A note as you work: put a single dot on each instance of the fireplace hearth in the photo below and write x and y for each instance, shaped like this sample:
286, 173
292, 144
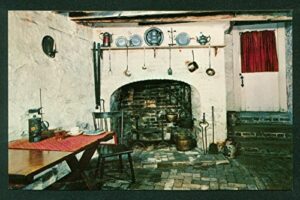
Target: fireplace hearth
154, 109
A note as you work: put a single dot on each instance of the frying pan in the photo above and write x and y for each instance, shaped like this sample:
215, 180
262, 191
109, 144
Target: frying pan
192, 66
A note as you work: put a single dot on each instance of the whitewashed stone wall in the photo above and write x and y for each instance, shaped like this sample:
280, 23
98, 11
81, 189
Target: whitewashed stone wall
229, 72
206, 91
66, 80
289, 67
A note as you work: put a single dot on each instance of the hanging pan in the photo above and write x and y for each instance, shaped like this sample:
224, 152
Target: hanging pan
210, 71
192, 66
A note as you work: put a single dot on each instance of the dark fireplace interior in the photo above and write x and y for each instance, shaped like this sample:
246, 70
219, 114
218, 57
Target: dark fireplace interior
154, 110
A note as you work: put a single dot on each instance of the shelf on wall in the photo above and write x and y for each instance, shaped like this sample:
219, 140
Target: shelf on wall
163, 47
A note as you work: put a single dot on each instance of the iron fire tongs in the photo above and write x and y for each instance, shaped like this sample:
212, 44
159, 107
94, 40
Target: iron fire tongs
204, 124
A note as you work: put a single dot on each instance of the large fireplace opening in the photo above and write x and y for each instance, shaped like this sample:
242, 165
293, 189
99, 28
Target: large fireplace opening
154, 110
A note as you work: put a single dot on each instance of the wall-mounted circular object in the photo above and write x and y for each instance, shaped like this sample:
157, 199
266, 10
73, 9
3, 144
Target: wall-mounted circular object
49, 46
183, 39
135, 40
121, 41
154, 37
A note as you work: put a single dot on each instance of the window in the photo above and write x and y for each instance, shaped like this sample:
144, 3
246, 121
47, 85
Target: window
258, 52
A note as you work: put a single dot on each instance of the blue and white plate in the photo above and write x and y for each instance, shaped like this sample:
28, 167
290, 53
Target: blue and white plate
183, 39
135, 41
153, 36
121, 41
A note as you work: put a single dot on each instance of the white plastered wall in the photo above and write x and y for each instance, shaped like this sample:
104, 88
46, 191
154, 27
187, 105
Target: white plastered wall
207, 90
66, 80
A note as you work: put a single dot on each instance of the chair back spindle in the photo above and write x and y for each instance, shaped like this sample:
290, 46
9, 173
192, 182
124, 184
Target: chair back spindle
109, 121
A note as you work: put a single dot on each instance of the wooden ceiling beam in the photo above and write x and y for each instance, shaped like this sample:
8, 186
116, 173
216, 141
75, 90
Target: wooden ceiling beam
132, 14
226, 17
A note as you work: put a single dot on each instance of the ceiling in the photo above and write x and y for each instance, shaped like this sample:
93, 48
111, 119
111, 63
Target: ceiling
138, 18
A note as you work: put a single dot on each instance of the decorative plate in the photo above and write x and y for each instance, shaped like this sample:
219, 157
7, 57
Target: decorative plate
183, 39
135, 40
154, 36
121, 41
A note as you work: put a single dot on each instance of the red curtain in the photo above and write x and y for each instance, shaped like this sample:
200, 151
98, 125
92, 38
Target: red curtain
258, 52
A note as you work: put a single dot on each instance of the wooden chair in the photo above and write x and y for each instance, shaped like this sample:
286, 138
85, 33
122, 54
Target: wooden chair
113, 122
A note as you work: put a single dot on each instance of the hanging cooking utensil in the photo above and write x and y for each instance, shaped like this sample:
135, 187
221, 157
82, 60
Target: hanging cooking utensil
172, 36
210, 71
192, 66
109, 57
95, 72
202, 135
144, 66
213, 148
127, 72
204, 124
170, 71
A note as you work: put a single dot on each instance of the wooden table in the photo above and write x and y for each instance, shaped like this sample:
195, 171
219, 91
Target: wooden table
24, 164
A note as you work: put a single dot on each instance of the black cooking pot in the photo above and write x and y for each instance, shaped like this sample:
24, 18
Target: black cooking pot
192, 66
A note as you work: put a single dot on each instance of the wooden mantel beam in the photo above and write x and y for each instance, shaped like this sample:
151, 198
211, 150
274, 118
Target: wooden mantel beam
179, 19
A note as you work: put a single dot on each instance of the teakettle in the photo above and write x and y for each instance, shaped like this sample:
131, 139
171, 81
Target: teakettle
107, 39
202, 39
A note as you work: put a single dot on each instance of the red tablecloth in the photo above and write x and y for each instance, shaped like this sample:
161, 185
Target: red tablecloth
69, 144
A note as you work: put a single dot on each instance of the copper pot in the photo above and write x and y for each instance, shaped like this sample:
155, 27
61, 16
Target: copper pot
184, 143
172, 117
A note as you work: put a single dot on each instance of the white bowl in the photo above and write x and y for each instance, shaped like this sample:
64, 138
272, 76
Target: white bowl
74, 131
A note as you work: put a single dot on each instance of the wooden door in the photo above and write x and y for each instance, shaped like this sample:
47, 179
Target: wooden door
262, 91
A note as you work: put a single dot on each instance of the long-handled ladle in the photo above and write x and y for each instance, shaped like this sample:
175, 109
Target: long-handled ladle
210, 71
127, 72
109, 57
170, 72
144, 66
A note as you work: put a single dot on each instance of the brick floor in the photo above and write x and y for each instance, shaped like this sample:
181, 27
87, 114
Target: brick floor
169, 169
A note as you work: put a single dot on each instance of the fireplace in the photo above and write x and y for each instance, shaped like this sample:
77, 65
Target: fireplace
122, 92
153, 109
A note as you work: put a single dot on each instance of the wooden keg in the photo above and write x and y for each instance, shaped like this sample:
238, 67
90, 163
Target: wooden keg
184, 143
